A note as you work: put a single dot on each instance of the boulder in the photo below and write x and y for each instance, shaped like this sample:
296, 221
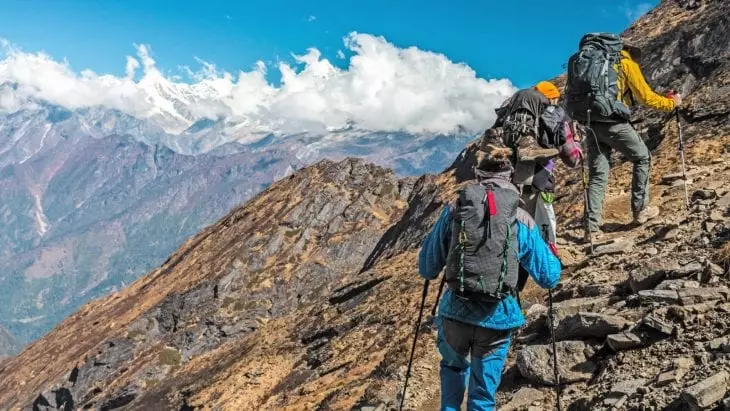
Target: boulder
645, 278
624, 341
658, 324
577, 305
621, 391
677, 285
535, 362
589, 325
617, 246
687, 269
659, 296
707, 392
718, 343
689, 296
679, 369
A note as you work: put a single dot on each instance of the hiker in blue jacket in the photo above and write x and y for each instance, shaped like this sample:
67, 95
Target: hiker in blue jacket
477, 327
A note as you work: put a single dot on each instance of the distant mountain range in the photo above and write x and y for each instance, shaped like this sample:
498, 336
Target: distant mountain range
93, 197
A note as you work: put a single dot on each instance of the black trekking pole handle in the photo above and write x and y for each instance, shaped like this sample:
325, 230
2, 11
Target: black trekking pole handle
415, 340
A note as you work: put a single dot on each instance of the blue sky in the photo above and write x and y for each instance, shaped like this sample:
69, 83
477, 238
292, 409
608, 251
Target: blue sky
524, 41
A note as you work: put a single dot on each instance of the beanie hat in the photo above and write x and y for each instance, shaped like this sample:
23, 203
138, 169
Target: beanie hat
548, 89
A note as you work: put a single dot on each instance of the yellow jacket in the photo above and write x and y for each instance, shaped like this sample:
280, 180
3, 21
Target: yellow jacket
638, 88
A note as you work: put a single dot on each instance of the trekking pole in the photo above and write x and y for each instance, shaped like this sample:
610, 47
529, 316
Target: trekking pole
438, 297
681, 154
415, 339
586, 226
584, 177
551, 318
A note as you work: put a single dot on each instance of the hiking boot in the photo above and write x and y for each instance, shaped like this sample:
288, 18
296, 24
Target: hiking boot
641, 217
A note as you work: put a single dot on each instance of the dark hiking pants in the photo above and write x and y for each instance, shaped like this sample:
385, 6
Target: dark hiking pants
624, 139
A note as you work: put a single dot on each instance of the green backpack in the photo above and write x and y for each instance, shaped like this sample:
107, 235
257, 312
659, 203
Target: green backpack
591, 90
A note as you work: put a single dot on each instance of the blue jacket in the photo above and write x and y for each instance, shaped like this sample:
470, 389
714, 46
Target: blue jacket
534, 256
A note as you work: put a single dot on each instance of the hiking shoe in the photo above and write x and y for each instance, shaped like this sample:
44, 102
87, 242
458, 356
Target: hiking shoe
641, 217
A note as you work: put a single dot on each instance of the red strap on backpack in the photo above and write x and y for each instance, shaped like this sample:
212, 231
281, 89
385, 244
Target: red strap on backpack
491, 203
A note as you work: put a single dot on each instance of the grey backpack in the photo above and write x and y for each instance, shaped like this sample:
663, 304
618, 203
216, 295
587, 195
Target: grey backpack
592, 83
482, 262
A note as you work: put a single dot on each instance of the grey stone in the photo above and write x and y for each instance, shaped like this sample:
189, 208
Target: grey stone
688, 269
576, 305
707, 392
726, 404
523, 398
645, 278
704, 194
666, 378
589, 325
535, 362
689, 296
619, 245
714, 270
624, 341
677, 285
659, 296
717, 343
680, 367
717, 216
622, 390
658, 324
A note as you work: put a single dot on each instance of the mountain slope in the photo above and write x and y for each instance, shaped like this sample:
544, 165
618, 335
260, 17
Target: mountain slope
82, 216
305, 297
93, 198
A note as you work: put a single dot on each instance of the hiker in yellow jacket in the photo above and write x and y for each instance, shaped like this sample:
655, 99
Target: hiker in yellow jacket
616, 133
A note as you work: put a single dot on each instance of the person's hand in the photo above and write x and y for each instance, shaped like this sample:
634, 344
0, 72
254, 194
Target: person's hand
677, 99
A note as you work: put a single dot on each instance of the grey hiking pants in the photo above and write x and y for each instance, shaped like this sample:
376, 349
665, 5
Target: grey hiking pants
624, 139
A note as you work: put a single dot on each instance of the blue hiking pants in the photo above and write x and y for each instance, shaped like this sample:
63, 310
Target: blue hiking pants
488, 350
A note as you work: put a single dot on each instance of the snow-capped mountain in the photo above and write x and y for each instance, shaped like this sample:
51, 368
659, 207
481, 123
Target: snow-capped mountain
93, 197
103, 176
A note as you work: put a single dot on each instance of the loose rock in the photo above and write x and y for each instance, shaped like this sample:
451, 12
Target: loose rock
523, 398
659, 296
707, 392
574, 306
619, 245
677, 285
624, 341
589, 325
536, 362
644, 278
658, 324
690, 296
621, 391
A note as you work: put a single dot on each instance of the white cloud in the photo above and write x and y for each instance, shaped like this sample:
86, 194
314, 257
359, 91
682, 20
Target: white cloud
311, 18
384, 88
634, 12
340, 55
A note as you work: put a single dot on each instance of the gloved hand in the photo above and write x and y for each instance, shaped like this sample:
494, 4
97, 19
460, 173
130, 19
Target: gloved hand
676, 97
677, 100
